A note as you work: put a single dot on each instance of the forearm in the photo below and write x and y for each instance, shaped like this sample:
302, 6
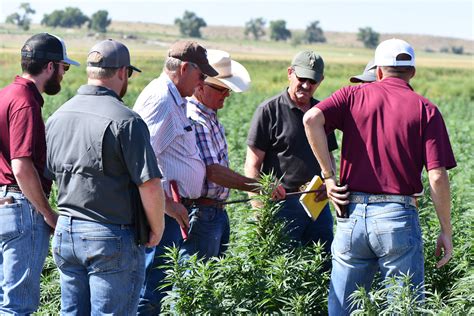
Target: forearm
314, 128
441, 196
28, 179
153, 200
230, 179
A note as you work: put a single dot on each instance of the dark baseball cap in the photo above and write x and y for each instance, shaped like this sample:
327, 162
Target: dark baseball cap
114, 55
367, 76
309, 65
45, 46
191, 51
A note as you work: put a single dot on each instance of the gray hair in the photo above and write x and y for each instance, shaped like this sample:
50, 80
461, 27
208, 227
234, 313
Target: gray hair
172, 64
100, 73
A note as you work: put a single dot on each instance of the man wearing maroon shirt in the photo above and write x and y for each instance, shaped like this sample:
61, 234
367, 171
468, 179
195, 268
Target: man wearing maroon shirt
389, 134
26, 218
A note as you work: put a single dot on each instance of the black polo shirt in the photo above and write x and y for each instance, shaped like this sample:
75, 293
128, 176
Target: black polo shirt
97, 149
277, 129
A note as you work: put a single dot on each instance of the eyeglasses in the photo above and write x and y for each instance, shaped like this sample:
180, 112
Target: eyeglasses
130, 71
202, 76
65, 66
303, 80
221, 90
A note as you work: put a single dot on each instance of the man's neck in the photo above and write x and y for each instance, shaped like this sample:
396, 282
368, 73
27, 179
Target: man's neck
38, 82
300, 105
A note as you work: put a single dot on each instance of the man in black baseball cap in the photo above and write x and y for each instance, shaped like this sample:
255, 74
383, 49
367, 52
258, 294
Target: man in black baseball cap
103, 166
27, 217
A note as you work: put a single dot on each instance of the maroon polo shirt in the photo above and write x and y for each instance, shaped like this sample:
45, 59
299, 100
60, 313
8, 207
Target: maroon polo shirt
22, 132
389, 134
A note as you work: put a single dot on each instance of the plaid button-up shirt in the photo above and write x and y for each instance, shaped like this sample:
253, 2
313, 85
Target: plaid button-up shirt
210, 137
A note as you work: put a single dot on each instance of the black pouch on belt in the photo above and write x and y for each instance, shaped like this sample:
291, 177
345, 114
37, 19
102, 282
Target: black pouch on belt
142, 227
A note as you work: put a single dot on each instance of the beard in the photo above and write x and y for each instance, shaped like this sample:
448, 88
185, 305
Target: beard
123, 91
53, 85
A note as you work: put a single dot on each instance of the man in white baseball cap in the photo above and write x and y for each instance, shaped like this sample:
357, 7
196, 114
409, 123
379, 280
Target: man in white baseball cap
209, 231
390, 134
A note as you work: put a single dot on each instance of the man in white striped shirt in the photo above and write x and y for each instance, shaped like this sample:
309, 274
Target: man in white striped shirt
163, 107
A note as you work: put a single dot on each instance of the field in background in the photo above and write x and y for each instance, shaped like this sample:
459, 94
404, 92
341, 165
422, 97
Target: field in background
445, 79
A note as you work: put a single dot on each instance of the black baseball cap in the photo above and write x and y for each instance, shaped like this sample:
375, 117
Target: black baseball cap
45, 46
114, 55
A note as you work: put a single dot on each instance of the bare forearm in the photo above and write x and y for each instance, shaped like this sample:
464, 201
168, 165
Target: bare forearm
441, 196
30, 184
230, 179
153, 200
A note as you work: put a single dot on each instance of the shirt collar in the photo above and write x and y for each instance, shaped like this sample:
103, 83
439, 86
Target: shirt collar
32, 86
178, 99
202, 108
397, 82
97, 90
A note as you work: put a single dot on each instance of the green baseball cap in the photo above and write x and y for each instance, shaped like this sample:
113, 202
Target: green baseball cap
308, 64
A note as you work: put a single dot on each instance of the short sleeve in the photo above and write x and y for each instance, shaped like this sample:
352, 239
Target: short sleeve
333, 109
437, 147
21, 128
138, 154
259, 132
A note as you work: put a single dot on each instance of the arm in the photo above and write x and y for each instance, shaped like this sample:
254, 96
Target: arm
30, 184
152, 196
441, 196
314, 127
253, 164
230, 179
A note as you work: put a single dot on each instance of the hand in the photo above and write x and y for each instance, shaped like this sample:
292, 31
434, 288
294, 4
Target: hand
444, 242
256, 203
153, 239
51, 218
337, 194
279, 193
178, 212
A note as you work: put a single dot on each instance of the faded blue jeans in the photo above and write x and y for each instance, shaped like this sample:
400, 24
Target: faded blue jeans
24, 237
378, 236
101, 268
302, 229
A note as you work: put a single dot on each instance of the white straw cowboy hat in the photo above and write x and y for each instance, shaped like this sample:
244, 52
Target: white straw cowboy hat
232, 75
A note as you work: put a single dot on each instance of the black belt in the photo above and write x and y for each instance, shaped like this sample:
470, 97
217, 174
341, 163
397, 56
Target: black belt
202, 201
12, 188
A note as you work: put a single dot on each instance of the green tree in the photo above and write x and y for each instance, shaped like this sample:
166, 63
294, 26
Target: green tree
278, 30
22, 19
255, 27
369, 37
69, 17
190, 24
99, 21
314, 33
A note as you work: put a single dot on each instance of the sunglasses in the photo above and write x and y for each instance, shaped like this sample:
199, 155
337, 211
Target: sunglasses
303, 80
65, 66
130, 71
202, 76
221, 90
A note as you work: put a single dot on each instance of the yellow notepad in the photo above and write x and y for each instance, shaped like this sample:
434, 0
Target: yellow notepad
312, 207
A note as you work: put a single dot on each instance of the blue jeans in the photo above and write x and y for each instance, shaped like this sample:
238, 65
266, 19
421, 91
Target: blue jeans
151, 295
101, 268
300, 227
378, 236
24, 237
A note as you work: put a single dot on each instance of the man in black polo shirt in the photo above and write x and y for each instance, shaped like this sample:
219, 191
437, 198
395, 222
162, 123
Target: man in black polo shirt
277, 142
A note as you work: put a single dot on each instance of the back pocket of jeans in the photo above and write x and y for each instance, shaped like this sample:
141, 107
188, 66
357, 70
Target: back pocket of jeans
343, 239
103, 252
11, 221
56, 244
394, 234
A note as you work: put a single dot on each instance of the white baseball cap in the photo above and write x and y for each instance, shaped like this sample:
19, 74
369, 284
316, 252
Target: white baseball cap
387, 52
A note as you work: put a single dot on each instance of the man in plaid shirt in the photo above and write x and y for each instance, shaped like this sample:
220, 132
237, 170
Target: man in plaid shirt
209, 224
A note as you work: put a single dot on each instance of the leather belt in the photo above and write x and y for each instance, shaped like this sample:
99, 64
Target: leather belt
12, 188
202, 201
383, 198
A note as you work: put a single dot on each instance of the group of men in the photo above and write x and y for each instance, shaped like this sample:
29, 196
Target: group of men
171, 150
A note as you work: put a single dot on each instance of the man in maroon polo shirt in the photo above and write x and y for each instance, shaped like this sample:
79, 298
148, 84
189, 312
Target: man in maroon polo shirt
389, 134
26, 218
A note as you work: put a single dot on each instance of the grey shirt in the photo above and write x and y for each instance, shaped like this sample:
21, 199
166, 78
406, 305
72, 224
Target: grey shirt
97, 148
277, 129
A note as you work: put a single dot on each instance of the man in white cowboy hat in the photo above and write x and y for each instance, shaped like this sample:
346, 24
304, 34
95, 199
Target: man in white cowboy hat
367, 76
209, 231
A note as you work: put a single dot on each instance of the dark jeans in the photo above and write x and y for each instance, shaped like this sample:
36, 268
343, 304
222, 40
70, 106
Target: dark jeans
301, 229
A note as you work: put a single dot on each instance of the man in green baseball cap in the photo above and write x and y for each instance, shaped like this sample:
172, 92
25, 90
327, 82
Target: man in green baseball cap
277, 143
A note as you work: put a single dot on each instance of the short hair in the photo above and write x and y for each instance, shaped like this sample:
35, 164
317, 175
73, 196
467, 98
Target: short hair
32, 66
399, 70
172, 64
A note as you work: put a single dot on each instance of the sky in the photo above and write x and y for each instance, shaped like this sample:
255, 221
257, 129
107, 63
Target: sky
453, 18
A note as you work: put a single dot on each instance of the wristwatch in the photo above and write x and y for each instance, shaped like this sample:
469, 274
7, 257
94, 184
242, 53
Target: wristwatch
328, 175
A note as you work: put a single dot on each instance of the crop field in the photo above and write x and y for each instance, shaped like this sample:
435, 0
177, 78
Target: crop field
257, 275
